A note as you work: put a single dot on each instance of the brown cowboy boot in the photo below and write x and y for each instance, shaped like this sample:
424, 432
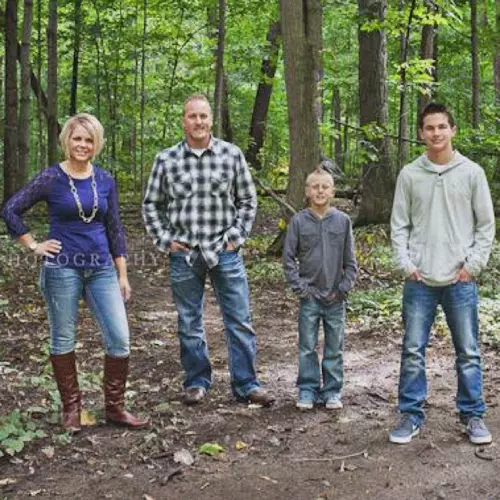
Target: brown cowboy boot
115, 378
64, 366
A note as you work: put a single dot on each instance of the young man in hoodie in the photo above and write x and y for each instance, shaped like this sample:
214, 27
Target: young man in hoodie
320, 266
442, 231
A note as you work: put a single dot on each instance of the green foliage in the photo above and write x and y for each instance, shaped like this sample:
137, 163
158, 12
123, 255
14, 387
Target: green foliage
16, 429
266, 269
380, 303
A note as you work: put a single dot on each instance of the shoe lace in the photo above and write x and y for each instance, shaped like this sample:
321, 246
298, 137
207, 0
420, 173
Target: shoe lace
405, 421
476, 424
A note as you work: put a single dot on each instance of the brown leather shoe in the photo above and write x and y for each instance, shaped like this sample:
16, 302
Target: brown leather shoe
115, 380
193, 395
260, 396
64, 367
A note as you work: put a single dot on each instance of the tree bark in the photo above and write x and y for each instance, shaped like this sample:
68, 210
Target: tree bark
41, 105
497, 56
52, 84
219, 69
337, 118
10, 156
143, 90
76, 57
377, 182
475, 64
263, 96
426, 52
403, 129
301, 27
24, 104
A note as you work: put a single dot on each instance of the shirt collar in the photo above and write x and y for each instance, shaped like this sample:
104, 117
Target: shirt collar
213, 146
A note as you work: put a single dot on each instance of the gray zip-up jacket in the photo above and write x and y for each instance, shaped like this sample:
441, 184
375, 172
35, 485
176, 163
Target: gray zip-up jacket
318, 256
442, 219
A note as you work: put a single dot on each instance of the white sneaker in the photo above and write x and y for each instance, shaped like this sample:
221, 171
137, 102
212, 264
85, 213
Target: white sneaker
333, 404
304, 405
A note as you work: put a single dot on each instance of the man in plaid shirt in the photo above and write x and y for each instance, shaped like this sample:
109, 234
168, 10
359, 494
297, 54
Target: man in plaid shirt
200, 206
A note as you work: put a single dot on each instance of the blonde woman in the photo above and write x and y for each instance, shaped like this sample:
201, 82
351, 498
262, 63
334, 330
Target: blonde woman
84, 256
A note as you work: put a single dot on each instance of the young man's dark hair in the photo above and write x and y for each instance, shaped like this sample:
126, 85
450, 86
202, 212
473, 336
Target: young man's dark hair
431, 109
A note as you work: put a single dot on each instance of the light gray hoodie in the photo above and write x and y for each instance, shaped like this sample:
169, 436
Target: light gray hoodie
442, 219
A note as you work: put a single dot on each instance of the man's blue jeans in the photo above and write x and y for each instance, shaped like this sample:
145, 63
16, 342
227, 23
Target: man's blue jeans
311, 313
231, 288
459, 303
63, 288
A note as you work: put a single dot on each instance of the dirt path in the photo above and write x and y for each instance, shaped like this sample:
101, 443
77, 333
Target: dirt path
267, 452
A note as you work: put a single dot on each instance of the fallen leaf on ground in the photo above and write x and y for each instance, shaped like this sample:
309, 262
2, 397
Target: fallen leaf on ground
87, 418
241, 445
210, 449
7, 481
48, 451
183, 457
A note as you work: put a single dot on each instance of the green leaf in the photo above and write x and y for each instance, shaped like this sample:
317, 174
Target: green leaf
13, 446
210, 449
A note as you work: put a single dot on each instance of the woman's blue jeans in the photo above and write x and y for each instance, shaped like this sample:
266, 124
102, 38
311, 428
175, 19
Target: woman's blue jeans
311, 313
231, 288
459, 302
63, 288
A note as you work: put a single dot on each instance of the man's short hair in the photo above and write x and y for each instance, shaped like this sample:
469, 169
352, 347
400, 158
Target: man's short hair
196, 97
433, 108
319, 171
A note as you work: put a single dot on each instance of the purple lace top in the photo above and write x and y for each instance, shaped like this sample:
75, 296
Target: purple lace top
83, 245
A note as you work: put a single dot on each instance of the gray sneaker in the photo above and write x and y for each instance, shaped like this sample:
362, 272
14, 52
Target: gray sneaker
478, 432
404, 431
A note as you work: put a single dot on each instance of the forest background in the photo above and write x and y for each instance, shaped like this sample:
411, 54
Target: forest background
292, 83
357, 73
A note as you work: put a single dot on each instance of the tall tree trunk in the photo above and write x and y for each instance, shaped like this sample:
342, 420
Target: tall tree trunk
475, 64
143, 89
52, 83
263, 96
219, 69
426, 52
134, 98
24, 104
76, 57
41, 153
403, 131
377, 182
497, 56
10, 132
435, 52
227, 129
301, 27
337, 117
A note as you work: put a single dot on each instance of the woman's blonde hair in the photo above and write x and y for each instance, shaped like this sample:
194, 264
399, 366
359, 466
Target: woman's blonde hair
91, 124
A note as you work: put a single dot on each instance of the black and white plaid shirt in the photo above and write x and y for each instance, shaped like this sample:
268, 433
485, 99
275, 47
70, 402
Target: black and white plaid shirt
202, 201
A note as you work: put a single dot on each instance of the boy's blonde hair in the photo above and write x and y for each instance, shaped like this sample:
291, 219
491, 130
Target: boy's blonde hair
91, 124
319, 172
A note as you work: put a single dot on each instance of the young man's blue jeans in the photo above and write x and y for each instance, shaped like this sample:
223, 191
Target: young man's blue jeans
459, 302
63, 288
311, 313
231, 288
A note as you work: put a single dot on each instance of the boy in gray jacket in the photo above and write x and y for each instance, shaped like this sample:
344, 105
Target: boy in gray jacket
442, 230
320, 265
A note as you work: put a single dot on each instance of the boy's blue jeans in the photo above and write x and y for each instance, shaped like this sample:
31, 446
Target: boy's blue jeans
311, 313
231, 288
459, 302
